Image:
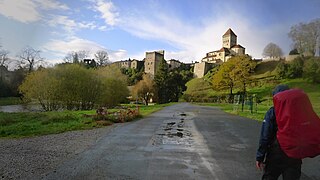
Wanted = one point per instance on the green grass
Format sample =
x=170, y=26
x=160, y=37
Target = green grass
x=258, y=113
x=41, y=123
x=17, y=125
x=147, y=110
x=10, y=101
x=313, y=91
x=265, y=69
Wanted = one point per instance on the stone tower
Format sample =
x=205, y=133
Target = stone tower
x=229, y=39
x=152, y=61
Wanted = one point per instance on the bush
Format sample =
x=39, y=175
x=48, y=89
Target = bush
x=295, y=68
x=74, y=87
x=311, y=70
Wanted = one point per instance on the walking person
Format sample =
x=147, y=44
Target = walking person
x=270, y=157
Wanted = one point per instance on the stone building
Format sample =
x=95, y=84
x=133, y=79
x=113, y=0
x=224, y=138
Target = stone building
x=152, y=61
x=173, y=64
x=229, y=48
x=123, y=63
x=136, y=64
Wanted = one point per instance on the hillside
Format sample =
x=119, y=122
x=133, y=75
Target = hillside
x=262, y=88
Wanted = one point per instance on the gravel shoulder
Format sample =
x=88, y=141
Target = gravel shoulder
x=33, y=158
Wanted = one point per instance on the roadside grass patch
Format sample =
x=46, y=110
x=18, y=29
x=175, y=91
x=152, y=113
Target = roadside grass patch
x=265, y=95
x=26, y=124
x=41, y=123
x=5, y=101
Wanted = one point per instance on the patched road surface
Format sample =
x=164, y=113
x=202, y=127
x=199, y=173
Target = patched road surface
x=182, y=141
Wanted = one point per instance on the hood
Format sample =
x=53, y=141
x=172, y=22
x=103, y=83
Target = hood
x=280, y=88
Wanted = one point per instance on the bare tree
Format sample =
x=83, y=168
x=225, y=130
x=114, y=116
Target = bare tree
x=272, y=51
x=76, y=56
x=71, y=57
x=4, y=57
x=29, y=58
x=306, y=37
x=102, y=57
x=82, y=54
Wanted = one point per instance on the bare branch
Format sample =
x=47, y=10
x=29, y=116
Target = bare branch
x=29, y=58
x=102, y=57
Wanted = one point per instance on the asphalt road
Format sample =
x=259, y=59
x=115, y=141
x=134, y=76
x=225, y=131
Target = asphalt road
x=182, y=141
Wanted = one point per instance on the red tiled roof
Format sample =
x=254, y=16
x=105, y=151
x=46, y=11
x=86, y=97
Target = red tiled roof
x=224, y=50
x=229, y=31
x=237, y=46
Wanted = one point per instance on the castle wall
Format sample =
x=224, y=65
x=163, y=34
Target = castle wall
x=200, y=69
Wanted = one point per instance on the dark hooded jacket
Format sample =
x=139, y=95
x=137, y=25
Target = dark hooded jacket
x=269, y=128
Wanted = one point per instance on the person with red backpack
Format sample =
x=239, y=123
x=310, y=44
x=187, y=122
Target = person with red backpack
x=270, y=157
x=290, y=132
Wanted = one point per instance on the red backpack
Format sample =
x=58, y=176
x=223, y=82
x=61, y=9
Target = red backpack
x=298, y=125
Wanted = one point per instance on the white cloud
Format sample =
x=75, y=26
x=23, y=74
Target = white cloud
x=67, y=24
x=60, y=48
x=70, y=25
x=193, y=42
x=102, y=28
x=87, y=25
x=51, y=4
x=23, y=11
x=28, y=11
x=108, y=11
x=117, y=55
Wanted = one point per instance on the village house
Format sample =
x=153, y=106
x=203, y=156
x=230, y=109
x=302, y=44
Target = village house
x=229, y=49
x=134, y=64
x=173, y=64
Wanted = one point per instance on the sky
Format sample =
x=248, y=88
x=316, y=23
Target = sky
x=185, y=29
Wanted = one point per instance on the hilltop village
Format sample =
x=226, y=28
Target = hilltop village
x=152, y=60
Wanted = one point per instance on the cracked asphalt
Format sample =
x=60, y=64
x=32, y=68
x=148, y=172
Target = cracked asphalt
x=182, y=141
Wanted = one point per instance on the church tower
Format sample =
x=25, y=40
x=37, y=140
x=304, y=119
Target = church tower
x=229, y=39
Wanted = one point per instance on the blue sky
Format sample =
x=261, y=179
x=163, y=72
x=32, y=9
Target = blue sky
x=185, y=29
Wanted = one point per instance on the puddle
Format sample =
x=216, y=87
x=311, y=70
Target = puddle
x=171, y=123
x=180, y=134
x=175, y=132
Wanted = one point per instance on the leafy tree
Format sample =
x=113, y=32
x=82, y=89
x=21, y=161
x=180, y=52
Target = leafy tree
x=236, y=71
x=224, y=78
x=161, y=83
x=102, y=58
x=295, y=68
x=144, y=89
x=281, y=70
x=306, y=37
x=311, y=70
x=29, y=58
x=294, y=52
x=243, y=69
x=133, y=75
x=41, y=86
x=272, y=51
x=176, y=85
x=114, y=89
x=74, y=87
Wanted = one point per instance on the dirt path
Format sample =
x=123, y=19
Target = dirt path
x=32, y=158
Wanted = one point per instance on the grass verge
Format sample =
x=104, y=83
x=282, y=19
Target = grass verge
x=10, y=101
x=313, y=91
x=17, y=125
